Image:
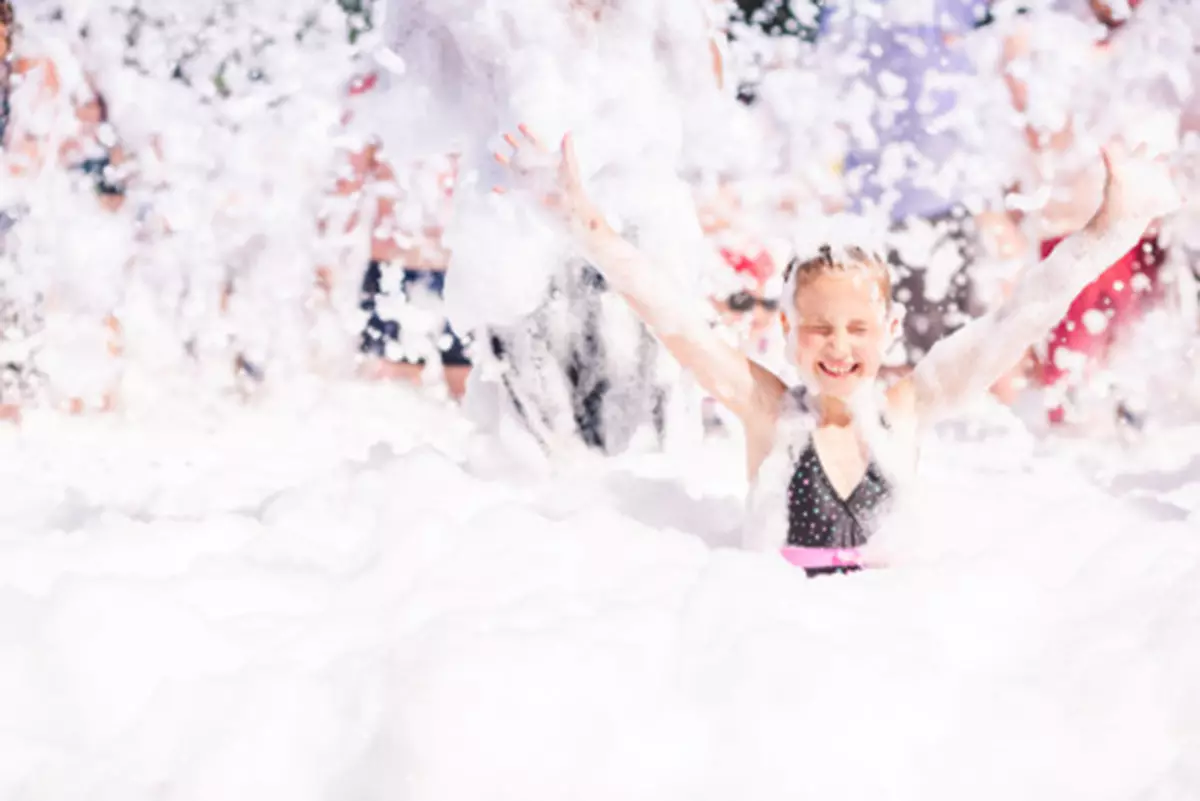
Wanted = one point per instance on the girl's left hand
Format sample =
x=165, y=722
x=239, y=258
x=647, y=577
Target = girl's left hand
x=1138, y=187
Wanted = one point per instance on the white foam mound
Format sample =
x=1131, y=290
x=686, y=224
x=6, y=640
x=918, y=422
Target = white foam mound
x=284, y=602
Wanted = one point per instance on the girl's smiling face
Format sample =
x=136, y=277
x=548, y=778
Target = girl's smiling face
x=840, y=329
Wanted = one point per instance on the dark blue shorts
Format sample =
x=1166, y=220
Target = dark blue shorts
x=379, y=330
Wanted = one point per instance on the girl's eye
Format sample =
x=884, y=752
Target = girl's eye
x=858, y=328
x=819, y=330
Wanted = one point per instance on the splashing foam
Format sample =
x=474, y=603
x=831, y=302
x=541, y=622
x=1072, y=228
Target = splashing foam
x=633, y=80
x=246, y=607
x=228, y=124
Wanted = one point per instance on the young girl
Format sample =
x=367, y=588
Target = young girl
x=838, y=321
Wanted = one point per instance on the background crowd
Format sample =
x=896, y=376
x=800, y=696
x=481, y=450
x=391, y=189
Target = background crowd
x=969, y=138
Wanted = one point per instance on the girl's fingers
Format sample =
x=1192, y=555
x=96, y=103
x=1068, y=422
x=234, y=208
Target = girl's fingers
x=502, y=159
x=533, y=140
x=568, y=176
x=1115, y=151
x=569, y=161
x=512, y=141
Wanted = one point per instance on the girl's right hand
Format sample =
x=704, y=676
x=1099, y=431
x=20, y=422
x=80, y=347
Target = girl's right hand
x=555, y=177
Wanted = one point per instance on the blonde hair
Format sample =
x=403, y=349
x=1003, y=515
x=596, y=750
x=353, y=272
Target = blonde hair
x=847, y=259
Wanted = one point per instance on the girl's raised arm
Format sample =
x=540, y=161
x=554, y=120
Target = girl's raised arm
x=1137, y=191
x=676, y=318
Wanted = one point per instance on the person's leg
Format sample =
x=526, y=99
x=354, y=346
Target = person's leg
x=456, y=380
x=456, y=364
x=387, y=358
x=375, y=332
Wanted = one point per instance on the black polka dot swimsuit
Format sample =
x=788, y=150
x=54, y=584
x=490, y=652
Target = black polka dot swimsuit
x=819, y=518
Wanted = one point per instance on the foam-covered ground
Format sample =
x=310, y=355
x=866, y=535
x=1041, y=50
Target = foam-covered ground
x=333, y=595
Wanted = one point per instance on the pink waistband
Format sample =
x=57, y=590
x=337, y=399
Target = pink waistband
x=822, y=557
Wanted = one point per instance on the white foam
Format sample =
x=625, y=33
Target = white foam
x=340, y=592
x=291, y=600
